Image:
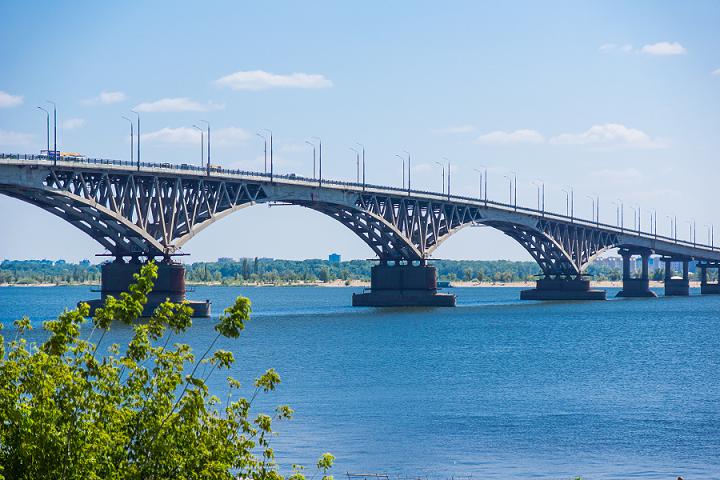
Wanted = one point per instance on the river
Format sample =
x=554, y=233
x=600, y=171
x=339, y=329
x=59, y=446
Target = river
x=495, y=388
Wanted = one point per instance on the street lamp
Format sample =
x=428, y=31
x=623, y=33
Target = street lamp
x=483, y=179
x=363, y=162
x=132, y=140
x=673, y=227
x=264, y=138
x=403, y=168
x=711, y=236
x=570, y=203
x=693, y=236
x=443, y=175
x=320, y=158
x=408, y=169
x=653, y=222
x=510, y=187
x=138, y=137
x=636, y=217
x=55, y=153
x=208, y=147
x=313, y=147
x=357, y=163
x=541, y=188
x=47, y=129
x=202, y=145
x=593, y=206
x=448, y=176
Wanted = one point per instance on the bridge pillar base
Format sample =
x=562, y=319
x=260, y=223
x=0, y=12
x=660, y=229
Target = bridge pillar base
x=677, y=287
x=710, y=289
x=403, y=286
x=636, y=288
x=563, y=289
x=706, y=286
x=116, y=277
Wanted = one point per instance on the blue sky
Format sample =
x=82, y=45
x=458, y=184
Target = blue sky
x=617, y=99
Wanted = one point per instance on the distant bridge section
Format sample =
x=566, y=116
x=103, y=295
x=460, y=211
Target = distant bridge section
x=152, y=210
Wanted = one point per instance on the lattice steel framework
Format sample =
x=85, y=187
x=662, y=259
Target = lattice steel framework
x=141, y=213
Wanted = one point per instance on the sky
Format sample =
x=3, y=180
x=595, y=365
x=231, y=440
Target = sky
x=615, y=99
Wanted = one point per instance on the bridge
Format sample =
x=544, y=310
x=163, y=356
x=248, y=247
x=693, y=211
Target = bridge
x=142, y=211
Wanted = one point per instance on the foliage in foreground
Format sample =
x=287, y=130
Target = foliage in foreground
x=68, y=411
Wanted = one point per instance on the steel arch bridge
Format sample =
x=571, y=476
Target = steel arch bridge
x=153, y=210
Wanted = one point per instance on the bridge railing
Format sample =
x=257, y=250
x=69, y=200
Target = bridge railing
x=361, y=187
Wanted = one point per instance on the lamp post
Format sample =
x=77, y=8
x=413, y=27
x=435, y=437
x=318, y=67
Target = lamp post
x=138, y=137
x=264, y=138
x=593, y=206
x=357, y=164
x=653, y=221
x=313, y=147
x=202, y=145
x=47, y=128
x=363, y=162
x=693, y=236
x=569, y=203
x=272, y=167
x=132, y=145
x=208, y=147
x=409, y=170
x=541, y=190
x=55, y=152
x=636, y=222
x=448, y=177
x=319, y=159
x=510, y=187
x=483, y=179
x=443, y=175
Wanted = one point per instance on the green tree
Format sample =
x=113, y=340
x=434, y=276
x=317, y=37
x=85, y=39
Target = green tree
x=70, y=412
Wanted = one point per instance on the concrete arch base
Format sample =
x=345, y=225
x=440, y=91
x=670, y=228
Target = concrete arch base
x=117, y=276
x=563, y=289
x=403, y=286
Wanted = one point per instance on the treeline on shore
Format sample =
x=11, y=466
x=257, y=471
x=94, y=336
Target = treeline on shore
x=276, y=271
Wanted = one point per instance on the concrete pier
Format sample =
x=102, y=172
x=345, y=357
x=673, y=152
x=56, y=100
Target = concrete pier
x=677, y=287
x=117, y=276
x=562, y=288
x=706, y=286
x=636, y=287
x=403, y=286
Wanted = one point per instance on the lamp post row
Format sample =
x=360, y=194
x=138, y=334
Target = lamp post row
x=360, y=160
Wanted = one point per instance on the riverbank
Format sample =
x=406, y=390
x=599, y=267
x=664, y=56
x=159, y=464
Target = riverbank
x=348, y=283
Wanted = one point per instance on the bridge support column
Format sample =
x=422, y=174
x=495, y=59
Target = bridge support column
x=563, y=288
x=117, y=276
x=403, y=286
x=636, y=287
x=677, y=287
x=706, y=286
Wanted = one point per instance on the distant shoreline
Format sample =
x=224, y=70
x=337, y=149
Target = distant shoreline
x=342, y=283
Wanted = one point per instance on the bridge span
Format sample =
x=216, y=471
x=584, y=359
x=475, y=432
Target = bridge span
x=148, y=211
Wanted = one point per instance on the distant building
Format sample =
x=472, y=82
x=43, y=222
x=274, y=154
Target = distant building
x=225, y=260
x=334, y=258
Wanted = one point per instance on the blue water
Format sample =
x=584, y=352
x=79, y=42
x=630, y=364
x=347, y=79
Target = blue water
x=495, y=388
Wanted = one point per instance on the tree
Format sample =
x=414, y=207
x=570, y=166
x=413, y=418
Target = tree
x=324, y=274
x=70, y=412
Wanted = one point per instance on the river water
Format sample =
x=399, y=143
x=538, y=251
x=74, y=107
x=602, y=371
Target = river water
x=495, y=388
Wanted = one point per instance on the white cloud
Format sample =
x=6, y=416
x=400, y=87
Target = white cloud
x=73, y=123
x=455, y=130
x=187, y=135
x=180, y=104
x=609, y=135
x=7, y=100
x=106, y=98
x=660, y=48
x=506, y=138
x=260, y=80
x=716, y=72
x=15, y=139
x=664, y=48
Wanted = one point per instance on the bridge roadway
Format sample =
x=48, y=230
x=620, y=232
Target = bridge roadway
x=138, y=212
